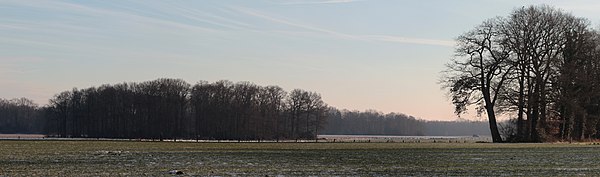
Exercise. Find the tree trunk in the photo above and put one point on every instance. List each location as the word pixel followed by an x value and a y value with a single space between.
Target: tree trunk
pixel 521 106
pixel 496 138
pixel 542 125
pixel 534 134
pixel 489 107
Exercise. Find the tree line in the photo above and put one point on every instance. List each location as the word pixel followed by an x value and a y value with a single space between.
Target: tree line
pixel 20 115
pixel 539 66
pixel 459 127
pixel 172 108
pixel 372 122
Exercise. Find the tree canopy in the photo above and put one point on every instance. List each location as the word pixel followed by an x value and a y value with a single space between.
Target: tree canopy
pixel 172 108
pixel 538 65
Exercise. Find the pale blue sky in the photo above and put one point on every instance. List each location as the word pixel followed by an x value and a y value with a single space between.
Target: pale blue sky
pixel 359 54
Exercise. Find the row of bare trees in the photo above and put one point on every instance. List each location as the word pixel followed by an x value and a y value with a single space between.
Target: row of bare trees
pixel 20 115
pixel 538 65
pixel 172 108
pixel 244 110
pixel 116 112
pixel 372 122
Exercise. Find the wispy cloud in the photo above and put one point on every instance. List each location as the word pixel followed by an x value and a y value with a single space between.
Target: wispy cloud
pixel 320 2
pixel 380 38
pixel 101 31
pixel 140 18
pixel 101 12
pixel 194 14
pixel 408 40
pixel 290 23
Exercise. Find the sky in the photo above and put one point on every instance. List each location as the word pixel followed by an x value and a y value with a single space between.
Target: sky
pixel 385 55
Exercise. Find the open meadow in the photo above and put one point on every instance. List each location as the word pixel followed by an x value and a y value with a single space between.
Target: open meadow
pixel 112 158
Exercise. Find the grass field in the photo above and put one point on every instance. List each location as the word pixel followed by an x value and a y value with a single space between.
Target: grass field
pixel 113 158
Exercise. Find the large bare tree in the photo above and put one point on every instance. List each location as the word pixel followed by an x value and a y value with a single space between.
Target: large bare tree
pixel 538 63
pixel 477 74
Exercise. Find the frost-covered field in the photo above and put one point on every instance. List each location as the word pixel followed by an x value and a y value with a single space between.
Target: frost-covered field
pixel 126 158
pixel 405 139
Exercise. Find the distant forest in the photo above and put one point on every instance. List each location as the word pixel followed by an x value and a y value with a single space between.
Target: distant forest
pixel 371 122
pixel 172 108
pixel 21 116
